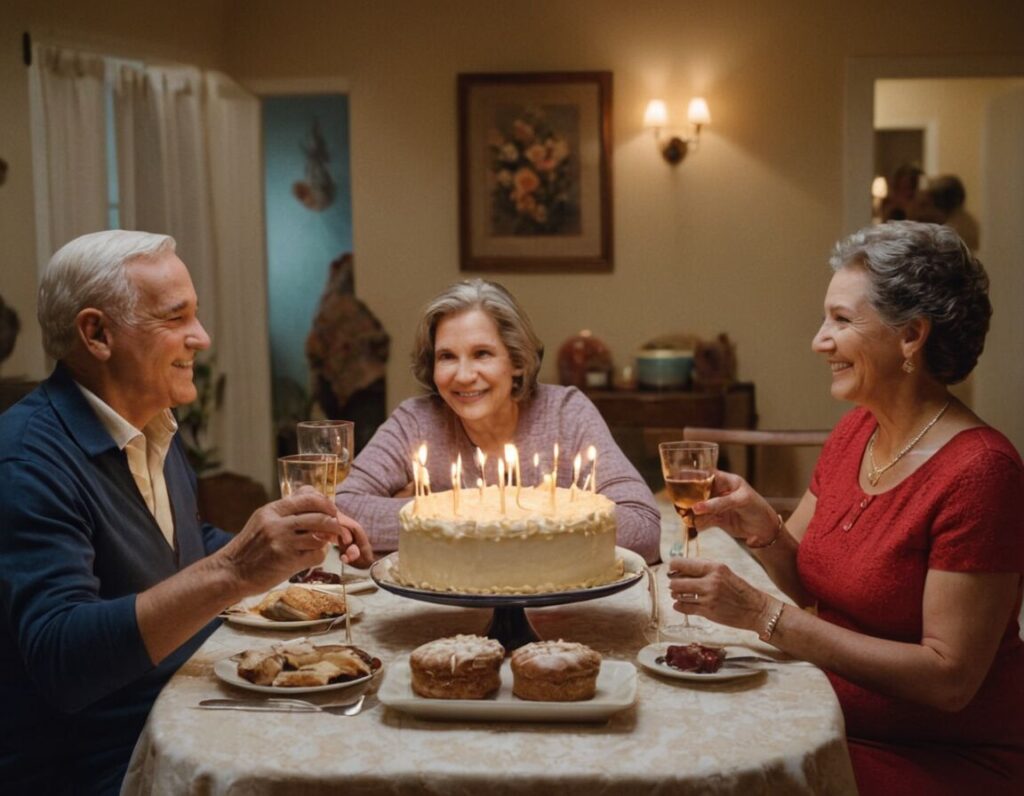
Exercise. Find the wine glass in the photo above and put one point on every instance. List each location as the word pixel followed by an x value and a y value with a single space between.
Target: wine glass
pixel 332 437
pixel 329 436
pixel 317 470
pixel 689 472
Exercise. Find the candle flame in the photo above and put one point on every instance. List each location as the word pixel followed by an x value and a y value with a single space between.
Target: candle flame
pixel 421 454
pixel 591 453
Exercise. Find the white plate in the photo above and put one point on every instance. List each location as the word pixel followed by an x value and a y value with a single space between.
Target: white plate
pixel 616 690
pixel 352 585
pixel 355 608
pixel 227 671
pixel 647 657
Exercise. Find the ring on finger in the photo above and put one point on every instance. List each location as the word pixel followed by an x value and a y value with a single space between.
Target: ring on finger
pixel 690 598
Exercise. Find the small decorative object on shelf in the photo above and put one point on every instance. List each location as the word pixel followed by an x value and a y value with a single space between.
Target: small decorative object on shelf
pixel 585 362
pixel 714 363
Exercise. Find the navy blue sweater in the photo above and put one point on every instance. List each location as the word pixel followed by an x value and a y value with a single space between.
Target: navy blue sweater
pixel 77 544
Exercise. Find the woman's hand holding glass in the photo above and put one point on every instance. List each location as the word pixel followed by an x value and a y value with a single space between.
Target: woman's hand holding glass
pixel 738 509
pixel 710 589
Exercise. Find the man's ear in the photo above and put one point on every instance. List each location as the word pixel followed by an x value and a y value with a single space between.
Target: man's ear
pixel 94 333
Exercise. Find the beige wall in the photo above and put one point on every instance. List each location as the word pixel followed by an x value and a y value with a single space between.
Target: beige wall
pixel 735 239
pixel 953 112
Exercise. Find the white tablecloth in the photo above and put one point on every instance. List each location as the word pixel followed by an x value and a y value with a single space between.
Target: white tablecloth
pixel 779 732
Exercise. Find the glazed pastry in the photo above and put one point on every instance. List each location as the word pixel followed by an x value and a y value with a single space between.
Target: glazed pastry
pixel 460 667
pixel 555 671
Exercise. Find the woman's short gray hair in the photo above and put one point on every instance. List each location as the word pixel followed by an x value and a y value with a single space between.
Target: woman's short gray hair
pixel 514 328
pixel 918 270
pixel 89 271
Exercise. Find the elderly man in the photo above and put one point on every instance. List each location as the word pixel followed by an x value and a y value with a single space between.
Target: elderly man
pixel 109 580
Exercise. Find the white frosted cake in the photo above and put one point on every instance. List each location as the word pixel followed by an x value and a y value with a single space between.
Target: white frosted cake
pixel 528 549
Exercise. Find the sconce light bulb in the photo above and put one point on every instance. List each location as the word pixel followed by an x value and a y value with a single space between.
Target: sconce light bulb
pixel 698 113
pixel 656 115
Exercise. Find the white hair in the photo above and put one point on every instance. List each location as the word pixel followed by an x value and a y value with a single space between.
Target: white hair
pixel 89 271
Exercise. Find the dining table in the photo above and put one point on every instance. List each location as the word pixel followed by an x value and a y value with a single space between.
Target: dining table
pixel 777 730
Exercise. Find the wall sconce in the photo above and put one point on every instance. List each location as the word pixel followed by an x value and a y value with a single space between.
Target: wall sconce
pixel 676 147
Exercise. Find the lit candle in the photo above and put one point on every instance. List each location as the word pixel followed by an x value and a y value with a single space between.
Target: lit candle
pixel 455 489
pixel 592 458
pixel 501 483
pixel 416 486
pixel 576 464
pixel 481 460
pixel 421 454
pixel 480 486
pixel 547 481
pixel 554 473
pixel 515 473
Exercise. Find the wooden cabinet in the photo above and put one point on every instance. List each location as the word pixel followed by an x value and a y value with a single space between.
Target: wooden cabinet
pixel 640 419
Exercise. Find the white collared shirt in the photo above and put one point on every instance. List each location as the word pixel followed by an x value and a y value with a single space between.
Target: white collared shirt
pixel 146 451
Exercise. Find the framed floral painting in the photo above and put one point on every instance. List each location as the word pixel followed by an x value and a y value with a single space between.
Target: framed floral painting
pixel 535 171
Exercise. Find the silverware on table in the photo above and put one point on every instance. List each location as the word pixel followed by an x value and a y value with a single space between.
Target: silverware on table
pixel 731 664
pixel 278 705
pixel 759 659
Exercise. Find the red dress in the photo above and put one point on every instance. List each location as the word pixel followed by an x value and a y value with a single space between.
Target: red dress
pixel 864 558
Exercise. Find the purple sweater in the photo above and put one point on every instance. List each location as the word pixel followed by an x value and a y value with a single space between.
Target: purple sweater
pixel 554 414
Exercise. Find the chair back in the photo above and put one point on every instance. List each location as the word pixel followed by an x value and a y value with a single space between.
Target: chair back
pixel 752 441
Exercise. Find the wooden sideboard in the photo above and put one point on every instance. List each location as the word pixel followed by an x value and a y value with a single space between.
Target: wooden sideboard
pixel 640 419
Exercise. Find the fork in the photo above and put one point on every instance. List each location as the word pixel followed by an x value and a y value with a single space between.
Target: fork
pixel 330 626
pixel 277 705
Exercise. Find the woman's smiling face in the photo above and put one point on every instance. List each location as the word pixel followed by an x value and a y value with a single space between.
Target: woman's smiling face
pixel 863 352
pixel 473 370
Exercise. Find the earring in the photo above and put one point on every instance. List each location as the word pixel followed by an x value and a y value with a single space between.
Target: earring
pixel 908 366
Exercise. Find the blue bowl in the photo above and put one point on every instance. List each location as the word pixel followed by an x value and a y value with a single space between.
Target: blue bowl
pixel 664 369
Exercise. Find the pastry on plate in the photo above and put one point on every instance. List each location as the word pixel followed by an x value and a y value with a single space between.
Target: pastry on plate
pixel 555 671
pixel 298 604
pixel 459 667
pixel 260 666
pixel 302 663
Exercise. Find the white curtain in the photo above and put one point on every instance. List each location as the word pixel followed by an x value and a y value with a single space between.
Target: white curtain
pixel 69 156
pixel 189 166
pixel 236 181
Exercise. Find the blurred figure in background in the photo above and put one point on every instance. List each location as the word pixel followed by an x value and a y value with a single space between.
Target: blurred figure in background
pixel 902 194
pixel 943 203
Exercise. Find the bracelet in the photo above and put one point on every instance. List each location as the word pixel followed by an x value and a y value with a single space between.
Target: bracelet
pixel 773 621
pixel 773 540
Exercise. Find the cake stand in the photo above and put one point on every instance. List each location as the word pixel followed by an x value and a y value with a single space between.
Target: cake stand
pixel 509 623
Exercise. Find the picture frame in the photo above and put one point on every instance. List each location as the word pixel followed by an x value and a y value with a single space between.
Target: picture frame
pixel 535 180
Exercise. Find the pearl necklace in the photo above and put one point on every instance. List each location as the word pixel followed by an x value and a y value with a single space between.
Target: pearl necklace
pixel 875 473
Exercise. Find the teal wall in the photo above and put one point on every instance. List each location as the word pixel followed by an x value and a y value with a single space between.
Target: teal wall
pixel 301 243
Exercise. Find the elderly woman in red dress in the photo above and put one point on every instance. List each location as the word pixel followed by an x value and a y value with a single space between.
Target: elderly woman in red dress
pixel 910 539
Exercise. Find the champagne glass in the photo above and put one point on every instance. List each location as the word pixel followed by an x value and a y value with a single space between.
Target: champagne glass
pixel 329 436
pixel 689 472
pixel 318 470
pixel 332 437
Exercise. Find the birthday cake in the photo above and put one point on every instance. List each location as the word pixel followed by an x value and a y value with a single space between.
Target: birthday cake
pixel 475 543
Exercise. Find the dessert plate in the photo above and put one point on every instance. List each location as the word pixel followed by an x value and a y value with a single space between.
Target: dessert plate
pixel 241 614
pixel 616 690
pixel 647 657
pixel 226 671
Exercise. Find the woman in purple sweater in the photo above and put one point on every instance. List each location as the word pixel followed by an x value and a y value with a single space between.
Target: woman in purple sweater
pixel 477 355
